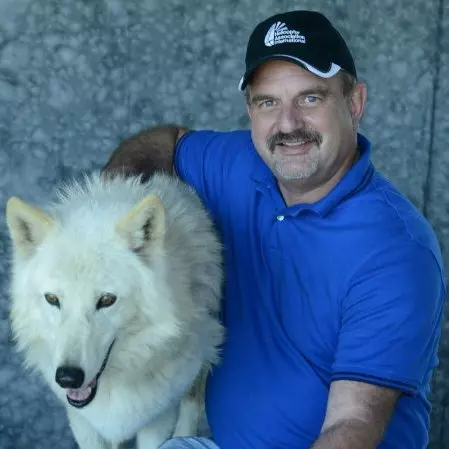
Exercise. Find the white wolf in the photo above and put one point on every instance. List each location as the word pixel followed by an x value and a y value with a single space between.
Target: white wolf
pixel 116 290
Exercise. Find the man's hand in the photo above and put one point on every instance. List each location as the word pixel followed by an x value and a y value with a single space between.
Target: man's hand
pixel 357 415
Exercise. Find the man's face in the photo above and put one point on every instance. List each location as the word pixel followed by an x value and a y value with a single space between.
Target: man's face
pixel 302 125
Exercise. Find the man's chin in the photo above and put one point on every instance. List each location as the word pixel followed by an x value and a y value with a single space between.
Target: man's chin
pixel 285 171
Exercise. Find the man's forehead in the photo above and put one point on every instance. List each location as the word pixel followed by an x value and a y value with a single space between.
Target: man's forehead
pixel 279 72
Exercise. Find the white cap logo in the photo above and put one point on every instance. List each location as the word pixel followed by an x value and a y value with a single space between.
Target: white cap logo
pixel 280 34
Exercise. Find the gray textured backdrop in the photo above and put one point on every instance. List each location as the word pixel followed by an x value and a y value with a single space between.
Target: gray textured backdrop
pixel 77 76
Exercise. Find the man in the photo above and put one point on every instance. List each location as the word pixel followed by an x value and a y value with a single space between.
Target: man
pixel 334 281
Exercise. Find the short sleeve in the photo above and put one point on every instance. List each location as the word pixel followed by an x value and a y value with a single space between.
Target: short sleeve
pixel 391 319
pixel 198 162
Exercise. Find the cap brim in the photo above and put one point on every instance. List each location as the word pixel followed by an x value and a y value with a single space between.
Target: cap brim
pixel 333 68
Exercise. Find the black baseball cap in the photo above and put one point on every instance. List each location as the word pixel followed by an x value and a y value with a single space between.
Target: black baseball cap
pixel 306 38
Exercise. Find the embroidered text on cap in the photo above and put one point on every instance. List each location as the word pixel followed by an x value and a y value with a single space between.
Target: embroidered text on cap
pixel 280 34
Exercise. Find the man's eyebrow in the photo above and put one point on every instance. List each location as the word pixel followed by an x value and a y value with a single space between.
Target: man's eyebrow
pixel 320 90
pixel 323 91
pixel 261 97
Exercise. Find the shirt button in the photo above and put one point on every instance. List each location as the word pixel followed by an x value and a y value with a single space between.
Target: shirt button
pixel 280 217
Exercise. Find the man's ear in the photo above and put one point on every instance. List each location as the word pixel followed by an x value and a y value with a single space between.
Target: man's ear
pixel 357 102
pixel 247 94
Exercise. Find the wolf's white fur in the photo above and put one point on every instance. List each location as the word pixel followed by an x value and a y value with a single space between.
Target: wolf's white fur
pixel 153 246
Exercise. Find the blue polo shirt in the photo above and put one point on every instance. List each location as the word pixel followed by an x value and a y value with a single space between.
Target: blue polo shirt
pixel 350 287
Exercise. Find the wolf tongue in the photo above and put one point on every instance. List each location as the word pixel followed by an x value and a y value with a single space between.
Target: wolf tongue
pixel 81 394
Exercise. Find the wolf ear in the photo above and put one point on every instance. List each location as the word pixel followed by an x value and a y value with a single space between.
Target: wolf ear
pixel 144 225
pixel 27 225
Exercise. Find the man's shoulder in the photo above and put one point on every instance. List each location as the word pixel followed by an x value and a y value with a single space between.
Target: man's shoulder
pixel 398 208
pixel 238 137
pixel 380 218
pixel 222 152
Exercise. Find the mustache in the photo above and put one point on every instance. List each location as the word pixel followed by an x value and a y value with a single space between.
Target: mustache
pixel 298 134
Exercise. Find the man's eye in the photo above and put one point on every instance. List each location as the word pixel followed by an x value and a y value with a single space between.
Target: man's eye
pixel 311 99
pixel 266 104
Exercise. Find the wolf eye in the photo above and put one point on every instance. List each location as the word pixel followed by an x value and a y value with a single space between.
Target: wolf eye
pixel 52 300
pixel 106 301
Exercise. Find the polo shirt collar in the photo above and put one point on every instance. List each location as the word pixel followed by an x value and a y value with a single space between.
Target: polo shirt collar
pixel 354 180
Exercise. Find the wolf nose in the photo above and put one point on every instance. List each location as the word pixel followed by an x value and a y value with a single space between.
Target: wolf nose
pixel 69 377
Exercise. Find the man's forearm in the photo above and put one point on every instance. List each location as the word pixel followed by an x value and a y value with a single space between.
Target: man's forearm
pixel 146 152
pixel 350 434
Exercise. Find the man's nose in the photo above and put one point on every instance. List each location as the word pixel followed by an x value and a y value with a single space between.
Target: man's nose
pixel 290 119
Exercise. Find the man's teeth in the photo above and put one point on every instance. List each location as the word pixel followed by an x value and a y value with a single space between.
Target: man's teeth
pixel 292 144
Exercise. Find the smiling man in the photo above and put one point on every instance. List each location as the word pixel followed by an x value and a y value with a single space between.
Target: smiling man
pixel 303 128
pixel 335 282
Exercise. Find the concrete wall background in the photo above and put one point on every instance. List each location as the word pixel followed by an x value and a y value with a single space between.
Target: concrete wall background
pixel 77 76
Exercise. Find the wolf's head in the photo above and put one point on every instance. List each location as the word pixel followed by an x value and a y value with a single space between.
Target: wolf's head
pixel 78 280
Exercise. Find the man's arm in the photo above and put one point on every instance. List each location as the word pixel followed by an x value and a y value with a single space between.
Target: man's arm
pixel 146 152
pixel 391 317
pixel 357 415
